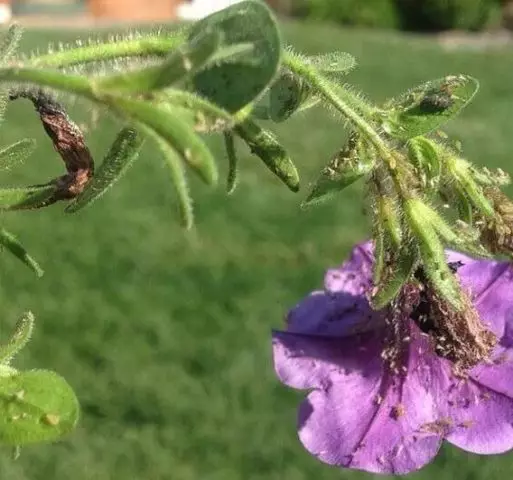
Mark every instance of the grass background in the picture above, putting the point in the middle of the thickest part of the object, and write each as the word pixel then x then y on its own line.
pixel 165 335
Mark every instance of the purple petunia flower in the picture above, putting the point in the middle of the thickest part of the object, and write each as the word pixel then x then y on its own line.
pixel 366 414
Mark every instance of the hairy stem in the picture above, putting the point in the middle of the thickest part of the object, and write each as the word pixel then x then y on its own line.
pixel 138 47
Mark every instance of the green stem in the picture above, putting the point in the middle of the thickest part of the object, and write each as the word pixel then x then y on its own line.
pixel 325 87
pixel 76 84
pixel 343 100
pixel 138 47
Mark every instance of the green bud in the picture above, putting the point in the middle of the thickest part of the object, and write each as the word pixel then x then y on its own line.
pixel 425 225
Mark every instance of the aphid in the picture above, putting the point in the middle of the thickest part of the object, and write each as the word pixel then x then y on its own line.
pixel 436 102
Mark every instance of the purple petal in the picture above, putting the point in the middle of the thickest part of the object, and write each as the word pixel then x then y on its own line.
pixel 356 417
pixel 482 417
pixel 342 309
pixel 303 361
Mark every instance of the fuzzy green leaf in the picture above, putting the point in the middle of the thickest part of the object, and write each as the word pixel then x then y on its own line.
pixel 395 275
pixel 172 129
pixel 286 95
pixel 118 160
pixel 334 65
pixel 264 145
pixel 25 198
pixel 16 153
pixel 429 106
pixel 11 243
pixel 35 406
pixel 10 41
pixel 231 152
pixel 202 115
pixel 19 338
pixel 431 250
pixel 349 165
pixel 237 81
pixel 181 64
pixel 172 161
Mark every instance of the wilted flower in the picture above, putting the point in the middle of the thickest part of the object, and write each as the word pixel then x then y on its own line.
pixel 385 413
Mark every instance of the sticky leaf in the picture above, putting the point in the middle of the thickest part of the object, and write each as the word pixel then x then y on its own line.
pixel 350 164
pixel 264 145
pixel 36 406
pixel 429 106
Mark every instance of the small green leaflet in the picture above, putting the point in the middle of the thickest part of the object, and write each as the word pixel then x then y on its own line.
pixel 35 406
pixel 179 180
pixel 172 129
pixel 11 243
pixel 264 145
pixel 351 163
pixel 16 153
pixel 19 338
pixel 429 106
pixel 25 197
pixel 231 153
pixel 120 157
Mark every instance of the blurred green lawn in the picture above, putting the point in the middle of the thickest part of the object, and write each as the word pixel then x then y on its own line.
pixel 166 336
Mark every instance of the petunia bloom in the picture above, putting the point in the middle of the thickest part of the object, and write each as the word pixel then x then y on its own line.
pixel 365 413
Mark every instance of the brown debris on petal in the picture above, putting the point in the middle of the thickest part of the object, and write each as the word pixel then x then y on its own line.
pixel 398 411
pixel 440 427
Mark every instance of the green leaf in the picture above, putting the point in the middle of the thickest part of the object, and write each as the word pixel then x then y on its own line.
pixel 431 250
pixel 172 129
pixel 36 406
pixel 25 198
pixel 238 81
pixel 395 275
pixel 334 65
pixel 231 152
pixel 19 338
pixel 16 153
pixel 11 243
pixel 424 155
pixel 120 157
pixel 264 145
pixel 10 41
pixel 429 106
pixel 202 115
pixel 286 96
pixel 350 164
pixel 181 64
pixel 179 180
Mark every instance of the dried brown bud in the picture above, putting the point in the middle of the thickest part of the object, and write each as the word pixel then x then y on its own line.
pixel 457 335
pixel 497 234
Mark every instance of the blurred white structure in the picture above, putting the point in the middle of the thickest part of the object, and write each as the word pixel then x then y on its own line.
pixel 201 8
pixel 5 11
